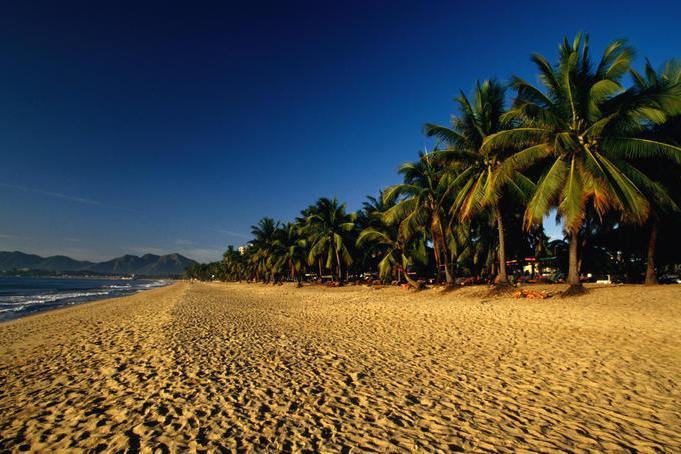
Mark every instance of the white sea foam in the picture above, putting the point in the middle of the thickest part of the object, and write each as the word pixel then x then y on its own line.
pixel 154 284
pixel 31 303
pixel 47 298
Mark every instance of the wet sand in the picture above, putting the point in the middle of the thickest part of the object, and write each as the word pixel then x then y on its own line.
pixel 262 368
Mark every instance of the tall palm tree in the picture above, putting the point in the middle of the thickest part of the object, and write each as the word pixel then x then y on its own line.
pixel 328 228
pixel 583 129
pixel 421 203
pixel 480 183
pixel 669 76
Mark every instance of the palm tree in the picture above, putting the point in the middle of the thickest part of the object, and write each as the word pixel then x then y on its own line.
pixel 424 196
pixel 292 251
pixel 394 261
pixel 660 203
pixel 479 181
pixel 328 227
pixel 263 244
pixel 473 242
pixel 371 214
pixel 583 130
pixel 231 261
pixel 380 241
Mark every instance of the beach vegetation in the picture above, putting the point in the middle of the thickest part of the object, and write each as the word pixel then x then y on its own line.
pixel 594 143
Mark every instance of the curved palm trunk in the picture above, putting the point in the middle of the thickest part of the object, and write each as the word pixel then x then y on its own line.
pixel 651 278
pixel 411 281
pixel 501 278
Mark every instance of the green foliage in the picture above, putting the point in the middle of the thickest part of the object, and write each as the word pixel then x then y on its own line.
pixel 329 230
pixel 580 129
pixel 420 203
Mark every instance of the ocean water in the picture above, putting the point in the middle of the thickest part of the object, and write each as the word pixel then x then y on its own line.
pixel 20 296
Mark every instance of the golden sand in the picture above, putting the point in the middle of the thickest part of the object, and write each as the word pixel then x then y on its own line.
pixel 261 368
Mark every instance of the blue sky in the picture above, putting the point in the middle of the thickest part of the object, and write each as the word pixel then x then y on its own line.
pixel 128 128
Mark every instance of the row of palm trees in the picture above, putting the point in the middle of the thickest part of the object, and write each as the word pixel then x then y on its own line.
pixel 602 155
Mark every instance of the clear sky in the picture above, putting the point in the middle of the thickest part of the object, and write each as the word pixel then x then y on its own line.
pixel 130 128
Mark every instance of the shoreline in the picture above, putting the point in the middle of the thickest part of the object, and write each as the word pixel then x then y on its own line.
pixel 66 305
pixel 268 368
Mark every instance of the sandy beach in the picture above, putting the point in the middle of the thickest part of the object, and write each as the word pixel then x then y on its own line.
pixel 262 368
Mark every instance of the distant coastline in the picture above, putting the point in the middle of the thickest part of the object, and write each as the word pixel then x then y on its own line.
pixel 17 263
pixel 79 275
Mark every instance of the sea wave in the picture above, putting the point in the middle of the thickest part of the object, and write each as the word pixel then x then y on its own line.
pixel 47 298
pixel 154 284
pixel 29 303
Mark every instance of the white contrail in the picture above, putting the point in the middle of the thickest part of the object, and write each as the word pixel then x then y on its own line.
pixel 86 201
pixel 58 195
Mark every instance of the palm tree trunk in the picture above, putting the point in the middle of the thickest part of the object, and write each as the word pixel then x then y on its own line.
pixel 340 271
pixel 298 276
pixel 449 275
pixel 583 247
pixel 502 278
pixel 573 266
pixel 436 234
pixel 410 281
pixel 436 252
pixel 651 278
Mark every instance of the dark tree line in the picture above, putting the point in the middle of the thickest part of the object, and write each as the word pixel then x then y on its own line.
pixel 595 142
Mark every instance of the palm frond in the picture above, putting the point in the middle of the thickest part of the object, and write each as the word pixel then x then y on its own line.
pixel 637 148
pixel 513 138
pixel 444 134
pixel 546 193
pixel 571 206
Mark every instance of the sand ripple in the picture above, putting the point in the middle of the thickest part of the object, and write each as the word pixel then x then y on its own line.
pixel 254 368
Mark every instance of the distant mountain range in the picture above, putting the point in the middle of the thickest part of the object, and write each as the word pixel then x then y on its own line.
pixel 147 265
